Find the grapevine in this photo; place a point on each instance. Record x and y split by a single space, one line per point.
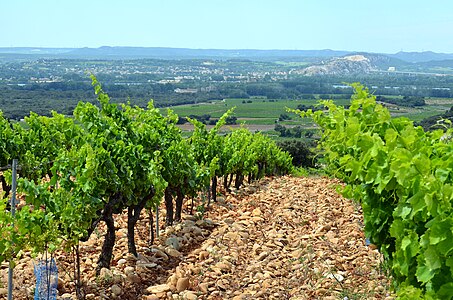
106 159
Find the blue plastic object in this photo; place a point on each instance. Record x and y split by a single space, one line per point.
46 273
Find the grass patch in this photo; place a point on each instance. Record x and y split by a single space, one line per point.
246 108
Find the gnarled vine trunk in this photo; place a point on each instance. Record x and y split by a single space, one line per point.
225 182
230 181
151 227
239 180
109 241
179 202
133 214
6 187
168 206
106 215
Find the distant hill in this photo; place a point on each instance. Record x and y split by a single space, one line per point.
416 57
357 63
167 52
34 50
384 61
447 63
350 64
321 61
160 52
107 52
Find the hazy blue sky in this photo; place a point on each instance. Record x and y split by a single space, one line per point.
376 26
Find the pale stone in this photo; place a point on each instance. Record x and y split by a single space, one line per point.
118 277
256 212
203 255
61 285
208 222
155 289
133 278
228 220
182 284
223 266
159 253
129 270
169 230
106 275
173 242
203 287
130 257
337 277
116 290
262 255
189 295
121 262
185 230
172 280
179 272
231 236
195 270
223 284
146 265
190 223
173 253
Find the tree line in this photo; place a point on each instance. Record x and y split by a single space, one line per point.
17 100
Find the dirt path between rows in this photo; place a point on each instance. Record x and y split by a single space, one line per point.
281 238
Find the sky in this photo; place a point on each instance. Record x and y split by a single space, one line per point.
384 26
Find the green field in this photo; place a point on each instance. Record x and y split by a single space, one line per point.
418 114
262 114
434 106
259 111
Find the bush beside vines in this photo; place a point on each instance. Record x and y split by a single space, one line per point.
402 177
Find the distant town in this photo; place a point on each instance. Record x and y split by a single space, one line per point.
42 80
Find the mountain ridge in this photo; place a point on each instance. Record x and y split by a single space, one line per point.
425 56
315 62
119 52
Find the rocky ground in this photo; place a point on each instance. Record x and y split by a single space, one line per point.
281 238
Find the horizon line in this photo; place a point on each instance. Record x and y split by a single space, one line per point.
225 49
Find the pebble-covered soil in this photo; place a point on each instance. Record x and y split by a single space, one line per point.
281 238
